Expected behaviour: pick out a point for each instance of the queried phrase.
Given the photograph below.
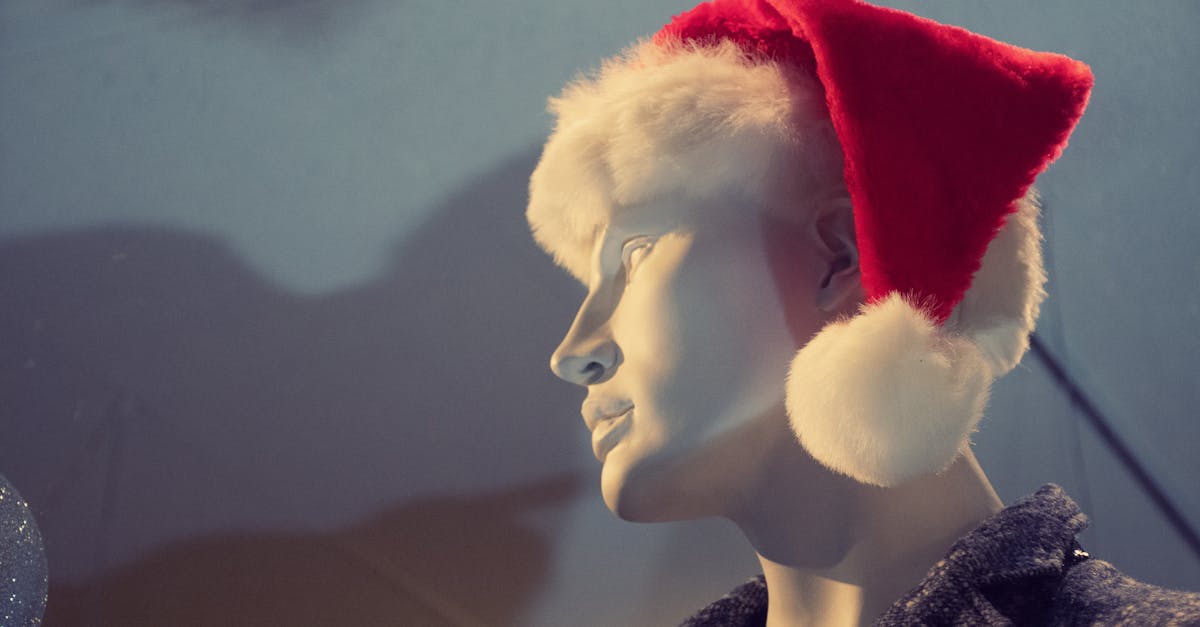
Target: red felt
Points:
(943, 130)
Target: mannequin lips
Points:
(598, 410)
(608, 433)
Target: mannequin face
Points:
(683, 345)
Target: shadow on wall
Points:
(155, 390)
(440, 561)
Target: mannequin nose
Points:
(584, 361)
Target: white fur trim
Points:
(1001, 307)
(676, 119)
(886, 395)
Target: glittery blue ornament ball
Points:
(22, 562)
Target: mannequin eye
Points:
(632, 254)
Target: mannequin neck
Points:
(836, 552)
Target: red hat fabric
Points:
(926, 115)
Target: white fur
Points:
(1000, 309)
(675, 119)
(886, 395)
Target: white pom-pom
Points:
(886, 395)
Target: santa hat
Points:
(938, 133)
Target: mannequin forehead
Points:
(684, 211)
(710, 182)
(698, 214)
(792, 199)
(657, 125)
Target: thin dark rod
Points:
(1118, 447)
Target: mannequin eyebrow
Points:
(608, 245)
(611, 237)
(602, 244)
(611, 247)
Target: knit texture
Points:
(1021, 566)
(745, 606)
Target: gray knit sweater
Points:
(1022, 566)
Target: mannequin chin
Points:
(692, 476)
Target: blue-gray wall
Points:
(273, 338)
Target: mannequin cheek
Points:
(648, 325)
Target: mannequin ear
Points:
(840, 286)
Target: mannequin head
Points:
(706, 269)
(695, 307)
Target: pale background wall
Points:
(273, 338)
